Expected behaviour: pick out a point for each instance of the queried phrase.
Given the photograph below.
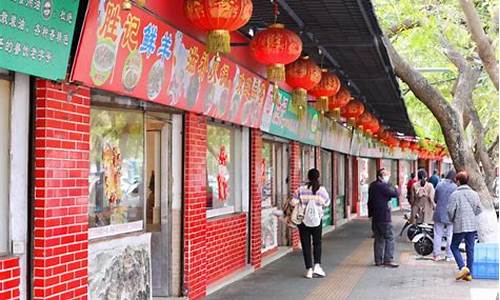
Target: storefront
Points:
(367, 170)
(406, 168)
(341, 180)
(308, 156)
(391, 165)
(274, 192)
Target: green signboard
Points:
(327, 216)
(282, 120)
(36, 36)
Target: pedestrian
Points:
(312, 197)
(434, 179)
(463, 208)
(423, 200)
(380, 194)
(409, 185)
(442, 224)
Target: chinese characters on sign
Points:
(36, 35)
(133, 53)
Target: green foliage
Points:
(421, 47)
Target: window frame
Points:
(113, 230)
(236, 156)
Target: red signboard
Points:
(135, 54)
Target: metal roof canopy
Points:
(346, 37)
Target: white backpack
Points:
(312, 216)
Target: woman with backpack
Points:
(311, 198)
(423, 200)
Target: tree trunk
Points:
(484, 47)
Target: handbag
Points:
(298, 212)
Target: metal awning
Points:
(346, 36)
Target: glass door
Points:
(157, 190)
(326, 181)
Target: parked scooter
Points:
(423, 239)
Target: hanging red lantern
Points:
(327, 87)
(302, 75)
(405, 144)
(338, 101)
(352, 111)
(364, 121)
(219, 18)
(276, 47)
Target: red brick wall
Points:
(9, 277)
(195, 197)
(60, 229)
(294, 181)
(255, 198)
(226, 246)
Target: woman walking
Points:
(463, 208)
(423, 200)
(442, 224)
(311, 198)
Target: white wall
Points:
(4, 164)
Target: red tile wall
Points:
(60, 230)
(294, 182)
(195, 201)
(226, 246)
(9, 278)
(255, 198)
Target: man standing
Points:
(380, 194)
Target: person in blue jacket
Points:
(434, 179)
(380, 194)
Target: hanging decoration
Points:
(364, 122)
(338, 101)
(127, 4)
(219, 18)
(328, 86)
(405, 144)
(276, 47)
(302, 75)
(352, 111)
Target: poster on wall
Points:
(282, 120)
(269, 229)
(133, 53)
(36, 36)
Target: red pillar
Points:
(378, 164)
(195, 201)
(294, 181)
(255, 198)
(60, 207)
(9, 277)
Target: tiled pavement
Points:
(347, 259)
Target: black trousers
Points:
(305, 240)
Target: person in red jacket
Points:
(409, 186)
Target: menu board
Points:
(36, 36)
(134, 53)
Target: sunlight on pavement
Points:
(483, 294)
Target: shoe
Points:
(378, 264)
(468, 278)
(319, 271)
(391, 264)
(463, 273)
(436, 258)
(449, 258)
(309, 273)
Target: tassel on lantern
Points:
(218, 41)
(126, 5)
(299, 95)
(323, 104)
(276, 72)
(276, 95)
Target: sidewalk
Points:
(348, 262)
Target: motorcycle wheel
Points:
(424, 246)
(411, 231)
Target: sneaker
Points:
(436, 258)
(468, 278)
(319, 271)
(309, 273)
(463, 273)
(449, 258)
(391, 264)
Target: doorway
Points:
(158, 194)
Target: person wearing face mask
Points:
(380, 194)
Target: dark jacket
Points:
(434, 180)
(379, 195)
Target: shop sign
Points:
(282, 120)
(336, 137)
(133, 53)
(36, 36)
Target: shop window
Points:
(223, 161)
(268, 190)
(341, 175)
(307, 161)
(116, 195)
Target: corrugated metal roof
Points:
(349, 33)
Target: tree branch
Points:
(493, 147)
(403, 26)
(484, 47)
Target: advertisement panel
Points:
(134, 53)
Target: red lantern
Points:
(302, 75)
(218, 18)
(327, 87)
(352, 111)
(405, 144)
(338, 101)
(276, 47)
(364, 121)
